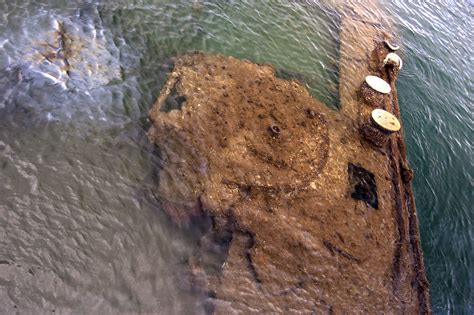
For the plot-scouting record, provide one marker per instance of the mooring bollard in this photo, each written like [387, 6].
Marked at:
[379, 127]
[392, 59]
[390, 45]
[374, 90]
[393, 63]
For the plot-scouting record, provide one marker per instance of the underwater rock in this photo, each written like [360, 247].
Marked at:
[71, 52]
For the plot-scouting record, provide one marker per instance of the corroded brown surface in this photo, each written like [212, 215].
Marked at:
[312, 217]
[362, 51]
[300, 242]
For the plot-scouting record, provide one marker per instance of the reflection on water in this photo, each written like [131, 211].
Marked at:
[79, 226]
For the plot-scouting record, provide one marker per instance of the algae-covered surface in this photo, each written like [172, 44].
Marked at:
[285, 182]
[307, 215]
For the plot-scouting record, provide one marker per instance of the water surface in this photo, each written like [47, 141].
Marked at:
[435, 95]
[80, 226]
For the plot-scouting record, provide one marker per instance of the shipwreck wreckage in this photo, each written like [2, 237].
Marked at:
[313, 208]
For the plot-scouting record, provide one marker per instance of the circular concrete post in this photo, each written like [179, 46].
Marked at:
[393, 63]
[379, 127]
[390, 45]
[374, 90]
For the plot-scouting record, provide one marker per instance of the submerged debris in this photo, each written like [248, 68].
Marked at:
[270, 167]
[363, 186]
[74, 54]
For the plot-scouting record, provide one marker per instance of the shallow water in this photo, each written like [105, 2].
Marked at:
[80, 227]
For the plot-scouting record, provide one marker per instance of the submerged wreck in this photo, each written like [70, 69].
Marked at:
[311, 211]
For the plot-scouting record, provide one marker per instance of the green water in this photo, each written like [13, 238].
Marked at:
[435, 93]
[76, 200]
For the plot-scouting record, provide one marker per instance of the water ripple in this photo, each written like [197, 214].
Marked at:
[79, 229]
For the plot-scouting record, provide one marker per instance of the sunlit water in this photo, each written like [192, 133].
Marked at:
[80, 228]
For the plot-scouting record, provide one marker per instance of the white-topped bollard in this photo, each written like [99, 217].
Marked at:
[390, 45]
[379, 127]
[374, 91]
[392, 59]
[385, 120]
[393, 64]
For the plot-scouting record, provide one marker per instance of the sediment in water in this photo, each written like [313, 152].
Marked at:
[311, 216]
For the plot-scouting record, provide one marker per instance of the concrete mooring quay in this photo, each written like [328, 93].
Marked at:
[309, 210]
